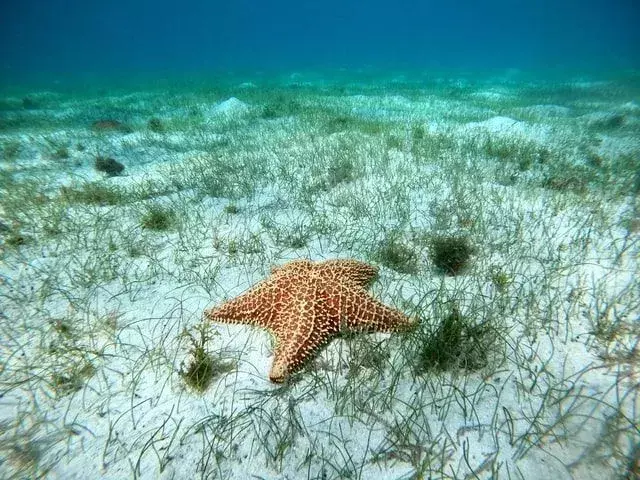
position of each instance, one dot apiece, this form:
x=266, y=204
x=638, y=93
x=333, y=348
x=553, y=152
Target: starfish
x=304, y=304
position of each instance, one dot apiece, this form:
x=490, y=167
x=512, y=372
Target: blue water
x=72, y=37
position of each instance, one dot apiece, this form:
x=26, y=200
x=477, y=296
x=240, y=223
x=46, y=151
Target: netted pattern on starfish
x=304, y=304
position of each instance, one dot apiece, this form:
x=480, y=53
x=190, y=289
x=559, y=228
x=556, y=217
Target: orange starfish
x=304, y=304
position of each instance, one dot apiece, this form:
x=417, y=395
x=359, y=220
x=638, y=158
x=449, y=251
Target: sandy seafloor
x=98, y=297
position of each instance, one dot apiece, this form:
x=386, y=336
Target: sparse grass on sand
x=505, y=215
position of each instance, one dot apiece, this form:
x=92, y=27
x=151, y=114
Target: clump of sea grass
x=158, y=218
x=110, y=166
x=156, y=125
x=456, y=343
x=202, y=367
x=450, y=254
x=395, y=254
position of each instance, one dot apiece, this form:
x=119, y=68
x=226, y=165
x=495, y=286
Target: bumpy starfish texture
x=304, y=304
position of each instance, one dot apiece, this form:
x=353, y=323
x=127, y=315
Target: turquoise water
x=155, y=37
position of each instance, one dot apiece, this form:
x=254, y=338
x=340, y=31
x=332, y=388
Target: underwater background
x=479, y=160
x=71, y=38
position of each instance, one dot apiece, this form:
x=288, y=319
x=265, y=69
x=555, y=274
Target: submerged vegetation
x=202, y=367
x=157, y=217
x=108, y=165
x=504, y=215
x=395, y=254
x=455, y=343
x=450, y=254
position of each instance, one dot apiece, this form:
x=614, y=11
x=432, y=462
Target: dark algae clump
x=109, y=166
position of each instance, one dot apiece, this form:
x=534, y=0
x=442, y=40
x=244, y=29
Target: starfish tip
x=278, y=372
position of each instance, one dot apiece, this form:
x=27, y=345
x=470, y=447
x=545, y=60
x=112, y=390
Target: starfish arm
x=354, y=271
x=258, y=306
x=360, y=312
x=301, y=340
x=294, y=267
